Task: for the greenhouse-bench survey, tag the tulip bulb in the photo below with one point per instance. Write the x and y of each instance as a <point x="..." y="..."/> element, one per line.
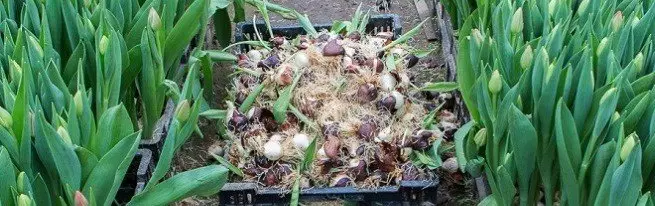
<point x="388" y="82"/>
<point x="273" y="150"/>
<point x="301" y="141"/>
<point x="301" y="60"/>
<point x="254" y="55"/>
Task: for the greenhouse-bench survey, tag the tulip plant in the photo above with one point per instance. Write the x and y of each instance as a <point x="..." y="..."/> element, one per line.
<point x="73" y="74"/>
<point x="561" y="98"/>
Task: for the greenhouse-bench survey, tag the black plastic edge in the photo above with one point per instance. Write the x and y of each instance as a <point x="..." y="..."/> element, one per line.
<point x="136" y="176"/>
<point x="293" y="30"/>
<point x="156" y="143"/>
<point x="412" y="192"/>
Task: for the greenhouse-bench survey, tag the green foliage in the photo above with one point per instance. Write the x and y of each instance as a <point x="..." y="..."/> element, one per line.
<point x="75" y="75"/>
<point x="575" y="93"/>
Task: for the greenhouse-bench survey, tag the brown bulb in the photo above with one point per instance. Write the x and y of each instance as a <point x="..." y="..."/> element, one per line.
<point x="367" y="131"/>
<point x="375" y="64"/>
<point x="238" y="122"/>
<point x="332" y="147"/>
<point x="332" y="48"/>
<point x="411" y="60"/>
<point x="388" y="103"/>
<point x="367" y="93"/>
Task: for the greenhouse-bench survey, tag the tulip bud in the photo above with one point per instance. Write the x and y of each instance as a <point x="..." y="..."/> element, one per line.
<point x="21" y="181"/>
<point x="617" y="21"/>
<point x="80" y="200"/>
<point x="551" y="7"/>
<point x="79" y="104"/>
<point x="628" y="145"/>
<point x="495" y="82"/>
<point x="5" y="118"/>
<point x="583" y="7"/>
<point x="64" y="135"/>
<point x="517" y="21"/>
<point x="15" y="69"/>
<point x="477" y="36"/>
<point x="639" y="62"/>
<point x="35" y="43"/>
<point x="154" y="20"/>
<point x="634" y="22"/>
<point x="24" y="200"/>
<point x="480" y="138"/>
<point x="526" y="57"/>
<point x="89" y="25"/>
<point x="102" y="46"/>
<point x="616" y="115"/>
<point x="601" y="46"/>
<point x="182" y="111"/>
<point x="519" y="102"/>
<point x="549" y="72"/>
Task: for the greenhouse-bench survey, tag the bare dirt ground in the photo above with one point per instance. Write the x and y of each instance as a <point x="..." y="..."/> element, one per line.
<point x="454" y="189"/>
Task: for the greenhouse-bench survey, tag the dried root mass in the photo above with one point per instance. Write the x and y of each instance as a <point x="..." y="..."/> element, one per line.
<point x="365" y="113"/>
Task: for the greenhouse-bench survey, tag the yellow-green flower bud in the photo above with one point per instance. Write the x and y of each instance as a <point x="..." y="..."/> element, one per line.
<point x="549" y="72"/>
<point x="5" y="118"/>
<point x="80" y="200"/>
<point x="583" y="7"/>
<point x="552" y="5"/>
<point x="61" y="131"/>
<point x="89" y="25"/>
<point x="104" y="43"/>
<point x="182" y="111"/>
<point x="87" y="3"/>
<point x="24" y="200"/>
<point x="15" y="70"/>
<point x="517" y="21"/>
<point x="639" y="62"/>
<point x="616" y="115"/>
<point x="153" y="19"/>
<point x="20" y="182"/>
<point x="634" y="22"/>
<point x="35" y="43"/>
<point x="480" y="138"/>
<point x="628" y="145"/>
<point x="477" y="36"/>
<point x="519" y="102"/>
<point x="79" y="104"/>
<point x="617" y="21"/>
<point x="526" y="57"/>
<point x="601" y="46"/>
<point x="495" y="82"/>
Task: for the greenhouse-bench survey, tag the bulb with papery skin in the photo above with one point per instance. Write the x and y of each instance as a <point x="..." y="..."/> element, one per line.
<point x="273" y="150"/>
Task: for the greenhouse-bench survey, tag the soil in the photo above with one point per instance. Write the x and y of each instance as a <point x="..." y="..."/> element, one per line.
<point x="455" y="189"/>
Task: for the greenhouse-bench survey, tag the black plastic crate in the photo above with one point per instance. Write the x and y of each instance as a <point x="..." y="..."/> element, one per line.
<point x="407" y="193"/>
<point x="377" y="23"/>
<point x="156" y="142"/>
<point x="136" y="177"/>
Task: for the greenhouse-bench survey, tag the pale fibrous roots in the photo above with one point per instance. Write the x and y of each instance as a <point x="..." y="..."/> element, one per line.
<point x="360" y="130"/>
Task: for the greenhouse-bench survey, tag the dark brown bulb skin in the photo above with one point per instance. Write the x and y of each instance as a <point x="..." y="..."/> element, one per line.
<point x="332" y="48"/>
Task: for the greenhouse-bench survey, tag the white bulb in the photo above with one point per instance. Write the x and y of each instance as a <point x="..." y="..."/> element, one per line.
<point x="276" y="138"/>
<point x="400" y="99"/>
<point x="254" y="55"/>
<point x="384" y="135"/>
<point x="301" y="141"/>
<point x="321" y="154"/>
<point x="301" y="60"/>
<point x="273" y="150"/>
<point x="388" y="82"/>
